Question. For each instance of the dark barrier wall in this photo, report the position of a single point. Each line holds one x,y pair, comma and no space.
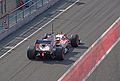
11,23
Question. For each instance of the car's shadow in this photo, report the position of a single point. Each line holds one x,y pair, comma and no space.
82,46
67,61
70,57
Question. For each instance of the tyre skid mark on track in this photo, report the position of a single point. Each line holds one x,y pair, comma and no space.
86,18
88,50
19,70
99,25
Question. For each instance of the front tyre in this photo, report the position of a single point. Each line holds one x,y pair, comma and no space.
31,53
75,41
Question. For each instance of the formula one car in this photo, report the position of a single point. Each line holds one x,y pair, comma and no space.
53,46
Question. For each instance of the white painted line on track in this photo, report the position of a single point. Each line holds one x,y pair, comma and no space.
39,29
87,50
61,10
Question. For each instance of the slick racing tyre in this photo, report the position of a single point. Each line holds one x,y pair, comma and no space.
31,53
60,53
75,40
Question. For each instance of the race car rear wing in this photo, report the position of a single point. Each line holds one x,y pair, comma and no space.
43,41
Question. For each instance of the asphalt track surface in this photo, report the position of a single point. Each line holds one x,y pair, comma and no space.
89,19
109,69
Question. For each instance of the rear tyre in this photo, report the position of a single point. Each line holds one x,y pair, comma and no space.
31,53
52,56
60,53
75,41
